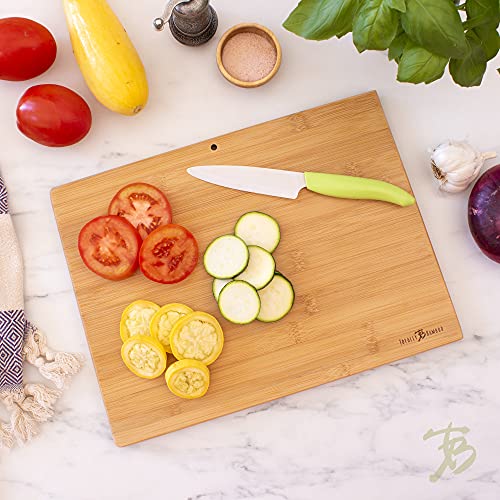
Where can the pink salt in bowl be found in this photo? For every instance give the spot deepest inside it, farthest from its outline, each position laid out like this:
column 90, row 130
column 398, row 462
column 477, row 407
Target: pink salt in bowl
column 249, row 55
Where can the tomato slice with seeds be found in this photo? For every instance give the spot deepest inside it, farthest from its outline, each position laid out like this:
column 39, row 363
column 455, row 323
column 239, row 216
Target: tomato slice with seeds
column 109, row 246
column 143, row 205
column 169, row 254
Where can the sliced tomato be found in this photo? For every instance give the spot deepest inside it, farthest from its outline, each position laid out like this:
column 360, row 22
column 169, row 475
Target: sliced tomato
column 109, row 246
column 143, row 205
column 169, row 254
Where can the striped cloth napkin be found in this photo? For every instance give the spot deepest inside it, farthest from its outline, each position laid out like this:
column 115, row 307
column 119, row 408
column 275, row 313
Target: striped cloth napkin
column 20, row 340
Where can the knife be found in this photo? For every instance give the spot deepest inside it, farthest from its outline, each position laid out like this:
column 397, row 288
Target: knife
column 288, row 184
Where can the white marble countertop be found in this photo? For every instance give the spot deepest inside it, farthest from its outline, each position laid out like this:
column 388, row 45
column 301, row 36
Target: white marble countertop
column 360, row 437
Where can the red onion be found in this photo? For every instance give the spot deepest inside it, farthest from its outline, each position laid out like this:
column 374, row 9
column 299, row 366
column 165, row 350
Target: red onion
column 484, row 213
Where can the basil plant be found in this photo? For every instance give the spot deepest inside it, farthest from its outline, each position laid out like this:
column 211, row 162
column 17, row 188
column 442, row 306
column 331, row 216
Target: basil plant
column 422, row 36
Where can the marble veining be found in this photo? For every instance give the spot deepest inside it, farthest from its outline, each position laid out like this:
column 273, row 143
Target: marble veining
column 359, row 437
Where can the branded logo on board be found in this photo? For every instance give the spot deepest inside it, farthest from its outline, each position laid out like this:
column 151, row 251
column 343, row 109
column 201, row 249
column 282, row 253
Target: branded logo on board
column 420, row 335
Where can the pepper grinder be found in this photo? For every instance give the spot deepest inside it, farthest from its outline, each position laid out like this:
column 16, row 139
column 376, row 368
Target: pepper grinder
column 192, row 22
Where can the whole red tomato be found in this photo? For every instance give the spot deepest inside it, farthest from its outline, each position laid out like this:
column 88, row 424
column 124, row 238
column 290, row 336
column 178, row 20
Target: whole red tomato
column 27, row 49
column 53, row 115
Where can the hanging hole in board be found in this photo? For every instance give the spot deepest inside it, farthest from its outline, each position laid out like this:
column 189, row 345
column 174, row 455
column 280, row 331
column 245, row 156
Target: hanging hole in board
column 213, row 147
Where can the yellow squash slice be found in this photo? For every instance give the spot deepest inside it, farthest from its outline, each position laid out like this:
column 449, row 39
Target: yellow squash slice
column 197, row 336
column 144, row 356
column 136, row 319
column 164, row 320
column 188, row 378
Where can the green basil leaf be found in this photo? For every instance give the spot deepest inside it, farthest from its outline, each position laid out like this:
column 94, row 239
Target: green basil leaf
column 436, row 26
column 418, row 65
column 400, row 30
column 321, row 19
column 397, row 5
column 482, row 12
column 397, row 46
column 469, row 71
column 489, row 39
column 375, row 25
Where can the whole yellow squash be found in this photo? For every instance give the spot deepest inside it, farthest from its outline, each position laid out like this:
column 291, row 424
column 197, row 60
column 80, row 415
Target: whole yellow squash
column 107, row 58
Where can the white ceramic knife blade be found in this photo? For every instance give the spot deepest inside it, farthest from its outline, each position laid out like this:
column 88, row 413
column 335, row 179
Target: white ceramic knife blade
column 268, row 181
column 286, row 184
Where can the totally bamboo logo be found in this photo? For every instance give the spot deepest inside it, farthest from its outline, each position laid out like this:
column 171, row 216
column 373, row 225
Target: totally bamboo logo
column 420, row 335
column 454, row 445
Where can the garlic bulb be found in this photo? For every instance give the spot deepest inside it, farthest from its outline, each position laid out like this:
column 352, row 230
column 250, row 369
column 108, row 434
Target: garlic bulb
column 456, row 164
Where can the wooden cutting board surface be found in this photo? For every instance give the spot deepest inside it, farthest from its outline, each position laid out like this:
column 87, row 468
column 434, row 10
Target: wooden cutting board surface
column 368, row 288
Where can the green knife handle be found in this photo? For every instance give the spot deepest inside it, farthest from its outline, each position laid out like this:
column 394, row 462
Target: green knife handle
column 357, row 188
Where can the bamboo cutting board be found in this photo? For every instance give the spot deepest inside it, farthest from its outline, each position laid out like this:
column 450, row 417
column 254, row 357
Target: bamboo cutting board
column 368, row 288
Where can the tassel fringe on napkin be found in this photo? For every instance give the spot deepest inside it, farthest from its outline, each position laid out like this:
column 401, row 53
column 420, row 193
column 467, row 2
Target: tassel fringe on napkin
column 20, row 340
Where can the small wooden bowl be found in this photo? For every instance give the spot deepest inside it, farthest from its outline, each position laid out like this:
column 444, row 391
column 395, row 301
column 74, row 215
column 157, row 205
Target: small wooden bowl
column 248, row 28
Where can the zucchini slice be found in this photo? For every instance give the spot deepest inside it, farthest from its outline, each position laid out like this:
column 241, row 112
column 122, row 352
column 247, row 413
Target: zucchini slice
column 226, row 257
column 218, row 285
column 260, row 269
column 276, row 299
column 256, row 228
column 239, row 302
